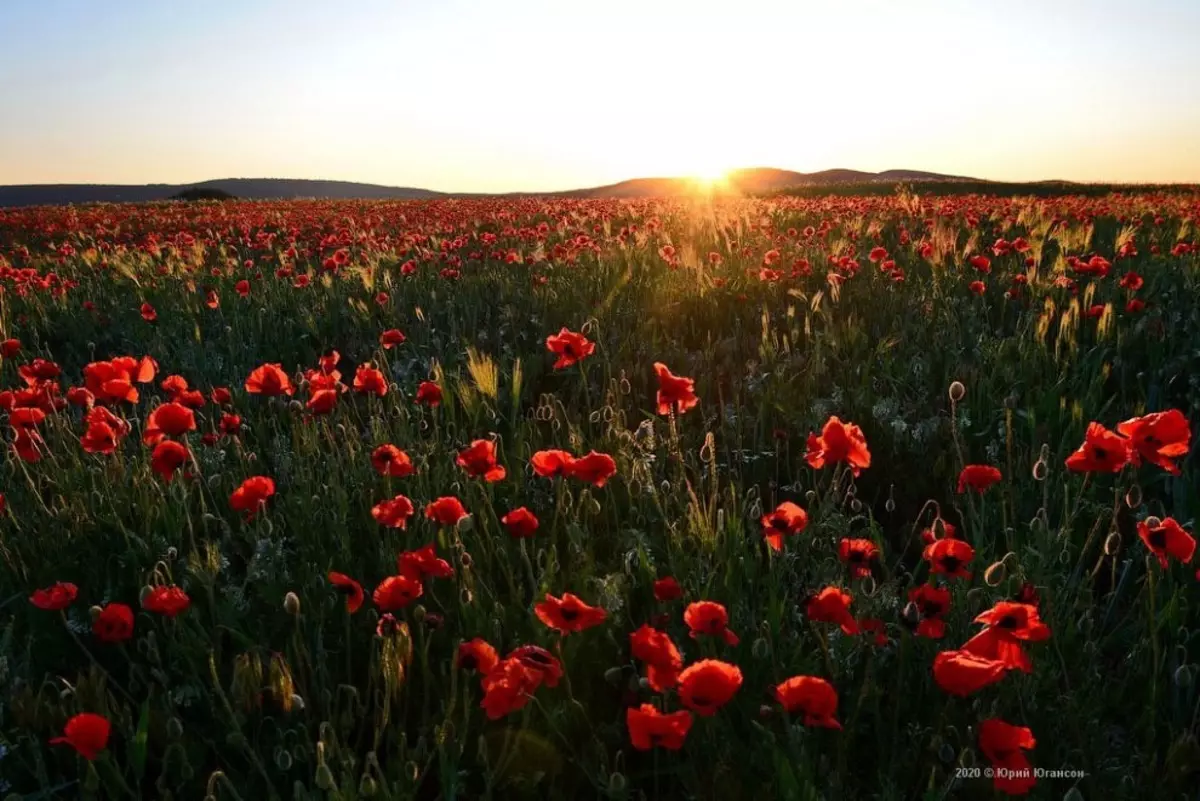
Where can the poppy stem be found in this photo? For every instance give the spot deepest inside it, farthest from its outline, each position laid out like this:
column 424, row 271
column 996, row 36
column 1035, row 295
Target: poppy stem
column 96, row 662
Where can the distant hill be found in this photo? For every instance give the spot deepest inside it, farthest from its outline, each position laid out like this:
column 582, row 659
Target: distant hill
column 250, row 188
column 750, row 181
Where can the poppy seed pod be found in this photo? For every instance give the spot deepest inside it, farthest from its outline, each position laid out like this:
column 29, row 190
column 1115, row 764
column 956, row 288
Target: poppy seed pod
column 291, row 603
column 957, row 391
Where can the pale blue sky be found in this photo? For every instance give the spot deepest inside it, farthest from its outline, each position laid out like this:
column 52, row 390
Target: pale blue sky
column 550, row 94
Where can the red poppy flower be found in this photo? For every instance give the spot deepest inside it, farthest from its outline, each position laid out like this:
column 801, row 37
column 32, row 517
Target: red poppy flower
column 540, row 661
column 348, row 587
column 169, row 456
column 1008, row 625
column 568, row 614
column 977, row 287
column 388, row 460
column 570, row 348
column 674, row 392
column 649, row 728
column 594, row 468
column 269, row 380
column 707, row 685
column 949, row 557
column 839, row 442
column 114, row 623
column 446, row 511
column 811, row 696
column 520, row 522
column 231, row 424
column 100, row 438
column 932, row 603
column 667, row 589
column 87, row 733
column 370, row 381
column 477, row 655
column 169, row 420
column 1005, row 745
column 58, row 596
column 221, row 396
column 391, row 338
column 81, row 397
column 1131, row 281
column 1167, row 538
column 548, row 464
column 709, row 617
column 858, row 554
column 479, row 459
column 429, row 394
column 788, row 519
column 660, row 654
column 877, row 255
column 174, row 384
column 507, row 688
column 832, row 605
column 252, row 495
column 393, row 513
column 242, row 288
column 1102, row 451
column 1159, row 438
column 981, row 263
column 1134, row 306
column 10, row 348
column 423, row 563
column 166, row 600
column 978, row 477
column 962, row 673
column 396, row 592
column 148, row 313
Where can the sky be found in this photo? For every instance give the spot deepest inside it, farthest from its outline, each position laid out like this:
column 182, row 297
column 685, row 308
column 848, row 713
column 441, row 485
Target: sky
column 528, row 95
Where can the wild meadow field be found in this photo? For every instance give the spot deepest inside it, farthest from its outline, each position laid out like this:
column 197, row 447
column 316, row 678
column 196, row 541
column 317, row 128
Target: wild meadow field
column 791, row 498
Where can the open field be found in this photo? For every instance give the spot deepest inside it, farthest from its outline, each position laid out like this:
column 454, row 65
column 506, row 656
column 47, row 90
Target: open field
column 869, row 460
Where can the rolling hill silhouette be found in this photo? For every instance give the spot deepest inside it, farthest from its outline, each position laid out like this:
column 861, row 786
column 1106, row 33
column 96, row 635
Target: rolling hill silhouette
column 750, row 181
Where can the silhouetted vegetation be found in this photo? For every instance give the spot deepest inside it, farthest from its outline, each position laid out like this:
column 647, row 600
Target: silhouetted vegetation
column 204, row 193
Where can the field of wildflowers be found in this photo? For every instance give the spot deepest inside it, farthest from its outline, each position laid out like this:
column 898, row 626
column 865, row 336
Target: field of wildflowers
column 790, row 498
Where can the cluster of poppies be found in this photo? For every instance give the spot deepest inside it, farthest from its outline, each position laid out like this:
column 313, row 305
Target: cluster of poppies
column 508, row 683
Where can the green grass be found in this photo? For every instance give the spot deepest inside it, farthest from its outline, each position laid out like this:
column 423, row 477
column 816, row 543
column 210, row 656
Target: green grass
column 202, row 705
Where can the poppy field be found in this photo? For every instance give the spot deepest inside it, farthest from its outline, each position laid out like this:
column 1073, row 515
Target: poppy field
column 785, row 498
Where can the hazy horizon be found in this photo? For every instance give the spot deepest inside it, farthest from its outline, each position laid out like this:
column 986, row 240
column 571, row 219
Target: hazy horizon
column 539, row 96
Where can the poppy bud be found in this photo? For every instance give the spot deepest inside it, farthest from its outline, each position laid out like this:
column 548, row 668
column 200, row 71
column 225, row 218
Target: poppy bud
column 291, row 603
column 616, row 783
column 1133, row 497
column 1183, row 676
column 283, row 760
column 433, row 621
column 146, row 590
column 1040, row 470
column 94, row 612
column 946, row 753
column 418, row 613
column 465, row 524
column 466, row 561
column 172, row 553
column 911, row 616
column 995, row 574
column 174, row 728
column 613, row 675
column 367, row 787
column 855, row 505
column 957, row 391
column 760, row 649
column 1112, row 543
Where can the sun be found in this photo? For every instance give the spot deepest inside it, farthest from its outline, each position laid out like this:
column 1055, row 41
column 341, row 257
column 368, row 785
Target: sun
column 711, row 174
